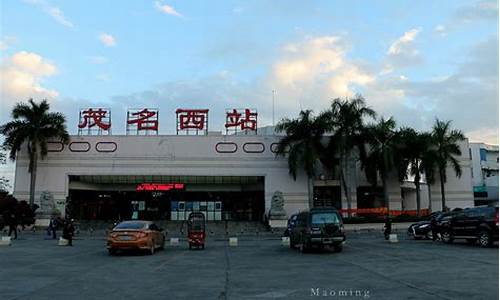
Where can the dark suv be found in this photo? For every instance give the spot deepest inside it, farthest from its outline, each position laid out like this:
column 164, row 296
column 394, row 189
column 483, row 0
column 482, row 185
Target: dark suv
column 478, row 224
column 318, row 227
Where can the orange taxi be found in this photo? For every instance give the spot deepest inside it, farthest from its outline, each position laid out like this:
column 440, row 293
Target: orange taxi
column 138, row 235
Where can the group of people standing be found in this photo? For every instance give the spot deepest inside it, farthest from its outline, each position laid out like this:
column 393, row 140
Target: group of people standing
column 68, row 229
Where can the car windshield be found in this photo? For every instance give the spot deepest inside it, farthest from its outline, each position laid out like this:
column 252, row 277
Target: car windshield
column 324, row 218
column 131, row 225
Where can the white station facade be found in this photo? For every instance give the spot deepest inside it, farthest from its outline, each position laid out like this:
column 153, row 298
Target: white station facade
column 226, row 176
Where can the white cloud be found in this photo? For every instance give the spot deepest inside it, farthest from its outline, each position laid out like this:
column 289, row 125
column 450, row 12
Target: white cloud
column 22, row 75
column 53, row 11
column 32, row 63
column 441, row 30
column 402, row 52
column 107, row 39
column 478, row 11
column 58, row 15
column 471, row 12
column 401, row 44
column 98, row 60
column 167, row 9
column 317, row 65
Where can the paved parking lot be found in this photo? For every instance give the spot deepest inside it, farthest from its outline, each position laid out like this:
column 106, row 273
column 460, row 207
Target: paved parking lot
column 369, row 268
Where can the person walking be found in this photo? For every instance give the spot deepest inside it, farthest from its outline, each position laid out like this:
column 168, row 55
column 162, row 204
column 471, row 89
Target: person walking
column 387, row 227
column 68, row 231
column 13, row 224
column 52, row 228
column 434, row 228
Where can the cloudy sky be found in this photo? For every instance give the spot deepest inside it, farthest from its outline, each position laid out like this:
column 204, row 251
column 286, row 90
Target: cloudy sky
column 414, row 60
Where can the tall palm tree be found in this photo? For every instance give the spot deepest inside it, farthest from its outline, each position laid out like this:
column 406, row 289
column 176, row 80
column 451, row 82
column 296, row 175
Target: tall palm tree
column 446, row 141
column 302, row 145
column 346, row 123
column 428, row 167
column 34, row 125
column 412, row 150
column 379, row 161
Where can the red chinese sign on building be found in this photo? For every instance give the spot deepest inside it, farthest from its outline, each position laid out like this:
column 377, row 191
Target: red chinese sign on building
column 142, row 120
column 243, row 119
column 194, row 119
column 159, row 186
column 95, row 118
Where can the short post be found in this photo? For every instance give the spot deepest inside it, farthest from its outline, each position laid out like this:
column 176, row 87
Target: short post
column 5, row 241
column 174, row 241
column 393, row 238
column 62, row 242
column 233, row 241
column 285, row 241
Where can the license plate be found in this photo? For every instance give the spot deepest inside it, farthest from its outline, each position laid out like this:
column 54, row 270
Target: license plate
column 125, row 238
column 327, row 241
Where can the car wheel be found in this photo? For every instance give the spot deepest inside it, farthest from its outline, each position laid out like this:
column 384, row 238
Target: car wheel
column 202, row 246
column 485, row 239
column 112, row 251
column 446, row 237
column 338, row 248
column 190, row 246
column 429, row 235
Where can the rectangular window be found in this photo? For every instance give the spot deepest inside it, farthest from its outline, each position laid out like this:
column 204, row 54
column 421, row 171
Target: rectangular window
column 482, row 154
column 325, row 218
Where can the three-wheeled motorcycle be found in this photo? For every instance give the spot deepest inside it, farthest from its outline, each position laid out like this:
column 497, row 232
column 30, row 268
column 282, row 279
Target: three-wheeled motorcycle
column 196, row 230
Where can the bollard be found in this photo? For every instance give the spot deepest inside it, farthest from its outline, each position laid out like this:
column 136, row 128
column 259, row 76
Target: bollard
column 285, row 241
column 62, row 242
column 393, row 238
column 233, row 241
column 174, row 241
column 5, row 241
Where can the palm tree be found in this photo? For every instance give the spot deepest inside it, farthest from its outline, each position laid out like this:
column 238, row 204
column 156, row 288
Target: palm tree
column 446, row 142
column 302, row 144
column 428, row 167
column 34, row 125
column 381, row 139
column 412, row 150
column 346, row 123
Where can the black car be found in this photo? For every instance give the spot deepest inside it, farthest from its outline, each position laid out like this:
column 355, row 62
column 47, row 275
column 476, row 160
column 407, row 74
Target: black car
column 478, row 224
column 423, row 228
column 318, row 227
column 290, row 224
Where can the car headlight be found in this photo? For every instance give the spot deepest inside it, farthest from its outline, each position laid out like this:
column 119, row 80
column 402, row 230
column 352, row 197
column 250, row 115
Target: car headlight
column 424, row 226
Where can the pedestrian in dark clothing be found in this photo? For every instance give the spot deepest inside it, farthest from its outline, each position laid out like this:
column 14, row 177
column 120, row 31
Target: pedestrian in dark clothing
column 52, row 228
column 387, row 227
column 68, row 231
column 434, row 228
column 13, row 225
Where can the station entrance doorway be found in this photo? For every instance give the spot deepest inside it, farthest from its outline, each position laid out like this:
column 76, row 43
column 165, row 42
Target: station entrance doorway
column 112, row 197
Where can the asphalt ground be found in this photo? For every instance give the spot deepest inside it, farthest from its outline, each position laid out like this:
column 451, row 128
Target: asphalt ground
column 258, row 268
